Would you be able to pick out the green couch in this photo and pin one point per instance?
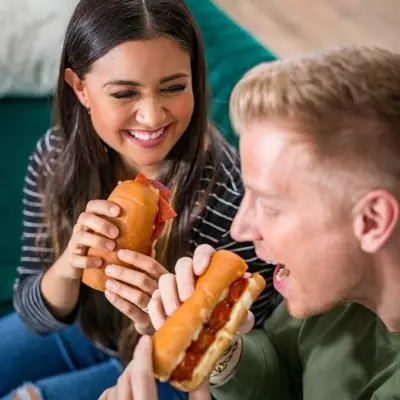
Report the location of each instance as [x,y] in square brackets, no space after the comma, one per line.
[230,52]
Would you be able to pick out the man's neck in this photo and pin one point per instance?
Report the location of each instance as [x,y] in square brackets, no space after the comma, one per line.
[384,292]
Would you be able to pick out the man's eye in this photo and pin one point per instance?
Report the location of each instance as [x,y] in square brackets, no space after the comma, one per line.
[125,94]
[266,208]
[174,89]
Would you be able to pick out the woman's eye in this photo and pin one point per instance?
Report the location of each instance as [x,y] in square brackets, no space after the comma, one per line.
[174,89]
[125,94]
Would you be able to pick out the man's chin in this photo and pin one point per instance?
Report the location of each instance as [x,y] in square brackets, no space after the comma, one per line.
[299,312]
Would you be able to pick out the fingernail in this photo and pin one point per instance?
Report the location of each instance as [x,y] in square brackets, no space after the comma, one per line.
[186,294]
[97,262]
[122,253]
[110,269]
[114,232]
[111,285]
[205,263]
[110,245]
[114,210]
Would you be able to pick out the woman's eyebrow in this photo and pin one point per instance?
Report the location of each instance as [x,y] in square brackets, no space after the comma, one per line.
[124,82]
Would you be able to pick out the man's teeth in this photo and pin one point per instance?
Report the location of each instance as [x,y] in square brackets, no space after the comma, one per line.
[282,274]
[147,136]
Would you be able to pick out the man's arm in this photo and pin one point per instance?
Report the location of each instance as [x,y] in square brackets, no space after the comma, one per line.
[268,366]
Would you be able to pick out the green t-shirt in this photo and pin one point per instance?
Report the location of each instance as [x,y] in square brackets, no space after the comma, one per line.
[345,354]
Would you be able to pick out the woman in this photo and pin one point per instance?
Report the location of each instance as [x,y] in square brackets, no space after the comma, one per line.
[131,97]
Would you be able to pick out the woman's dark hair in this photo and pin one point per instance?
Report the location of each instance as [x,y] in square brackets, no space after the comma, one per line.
[85,167]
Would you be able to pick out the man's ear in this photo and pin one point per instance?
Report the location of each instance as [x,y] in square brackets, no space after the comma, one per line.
[77,85]
[375,218]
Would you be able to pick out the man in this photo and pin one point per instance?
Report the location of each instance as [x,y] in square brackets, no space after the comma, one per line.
[320,148]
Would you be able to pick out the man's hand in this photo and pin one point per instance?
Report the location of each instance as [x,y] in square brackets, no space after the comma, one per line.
[175,289]
[137,381]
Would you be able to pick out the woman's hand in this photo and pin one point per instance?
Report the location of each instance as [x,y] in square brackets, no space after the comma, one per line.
[130,289]
[137,381]
[91,230]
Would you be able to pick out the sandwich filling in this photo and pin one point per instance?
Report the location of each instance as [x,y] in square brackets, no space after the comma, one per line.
[165,210]
[219,317]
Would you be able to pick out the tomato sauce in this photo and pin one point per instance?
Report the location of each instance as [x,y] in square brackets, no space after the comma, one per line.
[218,319]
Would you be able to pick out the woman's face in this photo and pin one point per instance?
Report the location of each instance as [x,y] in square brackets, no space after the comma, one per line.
[140,99]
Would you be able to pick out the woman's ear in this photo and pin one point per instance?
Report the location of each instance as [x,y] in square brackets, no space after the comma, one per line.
[77,85]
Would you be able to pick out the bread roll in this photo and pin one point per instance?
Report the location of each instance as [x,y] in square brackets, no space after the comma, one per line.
[181,331]
[140,204]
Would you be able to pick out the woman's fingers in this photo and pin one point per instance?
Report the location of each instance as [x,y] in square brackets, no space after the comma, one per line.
[134,278]
[145,263]
[78,261]
[156,310]
[103,207]
[134,296]
[138,316]
[96,223]
[87,239]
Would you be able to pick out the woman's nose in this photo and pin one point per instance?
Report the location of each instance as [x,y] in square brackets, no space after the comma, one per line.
[151,113]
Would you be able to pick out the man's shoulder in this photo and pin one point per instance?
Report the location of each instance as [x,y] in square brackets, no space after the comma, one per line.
[347,343]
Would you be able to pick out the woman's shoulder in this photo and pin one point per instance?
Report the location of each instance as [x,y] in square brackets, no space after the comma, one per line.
[227,172]
[47,149]
[226,192]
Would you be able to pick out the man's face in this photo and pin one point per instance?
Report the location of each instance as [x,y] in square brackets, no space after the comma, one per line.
[293,222]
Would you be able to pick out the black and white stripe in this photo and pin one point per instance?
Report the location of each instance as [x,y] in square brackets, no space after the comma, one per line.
[212,227]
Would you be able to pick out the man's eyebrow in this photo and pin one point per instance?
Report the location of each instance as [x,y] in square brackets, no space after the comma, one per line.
[260,191]
[124,82]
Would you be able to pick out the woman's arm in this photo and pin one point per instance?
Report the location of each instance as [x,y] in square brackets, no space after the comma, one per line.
[42,311]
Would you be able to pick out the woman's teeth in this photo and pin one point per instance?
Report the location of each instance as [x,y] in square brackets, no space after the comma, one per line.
[147,136]
[282,274]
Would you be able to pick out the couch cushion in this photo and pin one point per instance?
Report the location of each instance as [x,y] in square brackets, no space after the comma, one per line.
[230,51]
[22,122]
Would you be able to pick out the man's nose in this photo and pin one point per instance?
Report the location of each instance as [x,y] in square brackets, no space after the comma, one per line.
[244,227]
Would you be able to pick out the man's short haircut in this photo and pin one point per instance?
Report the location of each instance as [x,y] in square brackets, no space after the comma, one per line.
[346,102]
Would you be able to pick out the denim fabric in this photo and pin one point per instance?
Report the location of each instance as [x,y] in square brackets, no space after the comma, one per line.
[63,365]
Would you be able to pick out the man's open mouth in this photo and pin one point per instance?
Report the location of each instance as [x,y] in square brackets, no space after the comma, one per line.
[282,273]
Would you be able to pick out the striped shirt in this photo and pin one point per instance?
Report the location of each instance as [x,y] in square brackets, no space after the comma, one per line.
[211,227]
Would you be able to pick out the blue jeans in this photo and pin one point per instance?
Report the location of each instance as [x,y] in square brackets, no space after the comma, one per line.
[63,365]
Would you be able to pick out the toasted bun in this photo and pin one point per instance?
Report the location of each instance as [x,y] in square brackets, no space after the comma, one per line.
[224,336]
[176,335]
[139,207]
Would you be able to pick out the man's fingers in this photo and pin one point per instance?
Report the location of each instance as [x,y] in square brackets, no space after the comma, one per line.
[156,311]
[123,388]
[201,393]
[169,293]
[142,380]
[247,324]
[201,258]
[184,278]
